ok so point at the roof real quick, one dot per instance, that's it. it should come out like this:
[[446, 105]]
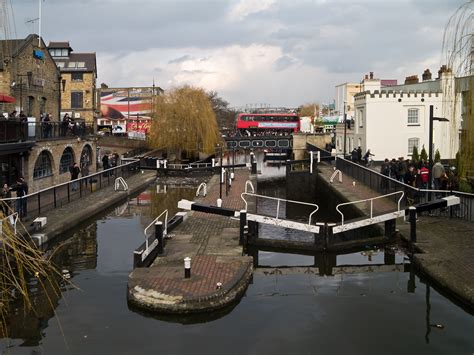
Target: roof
[[89, 60], [12, 47], [59, 45]]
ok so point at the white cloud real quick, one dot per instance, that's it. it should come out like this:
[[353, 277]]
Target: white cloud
[[248, 7]]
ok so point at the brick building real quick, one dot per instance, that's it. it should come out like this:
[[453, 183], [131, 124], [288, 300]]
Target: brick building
[[30, 75], [78, 81], [41, 152]]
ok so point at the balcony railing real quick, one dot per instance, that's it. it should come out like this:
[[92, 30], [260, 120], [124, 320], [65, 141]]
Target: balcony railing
[[14, 131]]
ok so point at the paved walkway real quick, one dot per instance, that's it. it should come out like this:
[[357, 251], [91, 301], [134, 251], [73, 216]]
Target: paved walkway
[[62, 219], [219, 273], [445, 245]]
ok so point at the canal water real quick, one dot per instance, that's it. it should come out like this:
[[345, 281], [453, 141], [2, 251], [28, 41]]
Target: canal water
[[360, 305]]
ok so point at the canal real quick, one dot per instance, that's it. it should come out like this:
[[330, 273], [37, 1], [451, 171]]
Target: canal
[[367, 302]]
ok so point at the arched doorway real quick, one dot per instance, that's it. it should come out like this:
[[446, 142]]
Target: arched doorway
[[67, 159], [86, 156]]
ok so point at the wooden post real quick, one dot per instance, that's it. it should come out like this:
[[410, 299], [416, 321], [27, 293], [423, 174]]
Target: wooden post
[[390, 228]]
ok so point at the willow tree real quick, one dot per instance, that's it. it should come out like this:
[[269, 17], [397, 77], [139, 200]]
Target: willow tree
[[458, 48], [185, 121]]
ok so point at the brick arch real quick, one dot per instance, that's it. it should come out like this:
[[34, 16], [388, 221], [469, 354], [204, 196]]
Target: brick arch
[[39, 172], [67, 158], [88, 152]]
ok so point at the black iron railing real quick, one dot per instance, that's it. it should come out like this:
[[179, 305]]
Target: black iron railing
[[385, 184], [37, 203], [14, 131]]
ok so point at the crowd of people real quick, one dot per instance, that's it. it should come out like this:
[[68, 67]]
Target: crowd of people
[[417, 174], [20, 205], [259, 133]]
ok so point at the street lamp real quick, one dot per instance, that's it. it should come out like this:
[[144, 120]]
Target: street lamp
[[345, 128], [430, 143]]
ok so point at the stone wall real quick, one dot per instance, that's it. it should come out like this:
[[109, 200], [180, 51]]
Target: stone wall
[[56, 149], [299, 142]]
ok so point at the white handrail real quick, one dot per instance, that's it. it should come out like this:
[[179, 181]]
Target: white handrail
[[249, 183], [334, 174], [204, 186], [165, 231], [13, 219], [278, 203], [371, 203], [118, 181]]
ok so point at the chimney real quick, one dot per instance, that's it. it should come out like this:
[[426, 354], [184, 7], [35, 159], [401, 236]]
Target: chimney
[[371, 75], [426, 75], [413, 79], [366, 77], [443, 69]]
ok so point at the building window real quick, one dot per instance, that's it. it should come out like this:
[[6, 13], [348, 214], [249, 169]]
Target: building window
[[30, 103], [64, 52], [413, 142], [77, 76], [361, 118], [67, 159], [77, 99], [43, 166], [43, 105], [413, 116]]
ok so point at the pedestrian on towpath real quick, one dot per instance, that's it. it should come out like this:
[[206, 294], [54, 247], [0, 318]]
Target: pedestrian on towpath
[[75, 171]]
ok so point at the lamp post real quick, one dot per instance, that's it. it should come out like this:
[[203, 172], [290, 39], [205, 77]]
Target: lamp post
[[430, 143], [345, 128]]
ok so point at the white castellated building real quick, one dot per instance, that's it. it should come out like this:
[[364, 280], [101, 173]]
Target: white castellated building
[[391, 120]]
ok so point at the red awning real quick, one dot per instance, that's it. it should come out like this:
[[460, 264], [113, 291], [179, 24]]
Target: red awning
[[7, 99]]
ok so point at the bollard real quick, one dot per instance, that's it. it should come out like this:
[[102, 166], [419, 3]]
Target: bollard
[[187, 267], [311, 162], [165, 162], [232, 175], [219, 202], [213, 162], [159, 236], [243, 223], [412, 211]]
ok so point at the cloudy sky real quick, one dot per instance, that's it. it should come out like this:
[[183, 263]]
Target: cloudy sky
[[277, 52]]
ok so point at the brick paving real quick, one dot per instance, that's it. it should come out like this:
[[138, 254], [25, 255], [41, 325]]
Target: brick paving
[[445, 245], [212, 243]]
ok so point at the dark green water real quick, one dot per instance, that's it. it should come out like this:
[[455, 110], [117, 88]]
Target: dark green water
[[350, 312]]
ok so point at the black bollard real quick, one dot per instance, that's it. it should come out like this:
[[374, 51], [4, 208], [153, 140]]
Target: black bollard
[[187, 267], [159, 236], [412, 211], [243, 223]]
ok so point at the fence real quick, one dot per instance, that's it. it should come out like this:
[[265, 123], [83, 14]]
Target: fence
[[33, 205], [384, 184], [15, 131]]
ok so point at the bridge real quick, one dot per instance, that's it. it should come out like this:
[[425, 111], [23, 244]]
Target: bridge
[[260, 142]]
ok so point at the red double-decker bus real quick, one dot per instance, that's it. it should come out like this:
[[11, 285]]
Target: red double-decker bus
[[280, 122]]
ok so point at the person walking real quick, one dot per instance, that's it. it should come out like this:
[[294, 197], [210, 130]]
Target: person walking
[[75, 171], [367, 156], [438, 172]]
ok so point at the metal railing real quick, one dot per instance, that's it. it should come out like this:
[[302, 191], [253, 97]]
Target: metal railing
[[120, 182], [248, 183], [371, 200], [165, 230], [384, 184], [278, 203], [14, 131], [34, 204], [203, 186], [12, 219]]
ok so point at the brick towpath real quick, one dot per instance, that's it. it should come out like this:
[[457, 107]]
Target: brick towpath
[[445, 245], [212, 243]]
